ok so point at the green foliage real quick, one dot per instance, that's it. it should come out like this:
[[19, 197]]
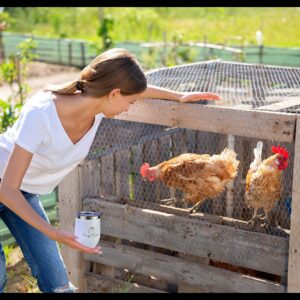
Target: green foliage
[[280, 25], [14, 71], [5, 17], [105, 30], [125, 287], [7, 249], [9, 114]]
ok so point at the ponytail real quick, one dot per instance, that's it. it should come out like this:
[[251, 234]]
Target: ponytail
[[66, 88], [115, 68]]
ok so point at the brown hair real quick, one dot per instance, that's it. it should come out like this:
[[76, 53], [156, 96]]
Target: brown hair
[[114, 68]]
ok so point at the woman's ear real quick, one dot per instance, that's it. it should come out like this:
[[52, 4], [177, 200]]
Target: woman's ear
[[113, 93]]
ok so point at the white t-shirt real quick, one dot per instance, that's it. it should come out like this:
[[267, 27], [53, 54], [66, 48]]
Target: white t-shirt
[[39, 131]]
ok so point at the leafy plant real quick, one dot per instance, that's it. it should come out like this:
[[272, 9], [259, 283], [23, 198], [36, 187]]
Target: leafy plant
[[8, 249], [104, 31], [124, 288], [14, 72]]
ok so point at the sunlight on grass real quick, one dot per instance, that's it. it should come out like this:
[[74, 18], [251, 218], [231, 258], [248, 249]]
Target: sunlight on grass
[[280, 25]]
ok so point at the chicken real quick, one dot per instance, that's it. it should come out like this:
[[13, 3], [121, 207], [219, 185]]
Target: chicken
[[199, 176], [264, 180]]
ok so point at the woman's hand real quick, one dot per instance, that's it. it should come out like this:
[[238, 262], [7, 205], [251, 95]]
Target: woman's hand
[[70, 240], [198, 96]]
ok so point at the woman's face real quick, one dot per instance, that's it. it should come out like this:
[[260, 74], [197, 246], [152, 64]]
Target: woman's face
[[119, 103]]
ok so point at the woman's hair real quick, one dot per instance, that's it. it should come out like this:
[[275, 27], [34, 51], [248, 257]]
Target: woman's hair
[[114, 68]]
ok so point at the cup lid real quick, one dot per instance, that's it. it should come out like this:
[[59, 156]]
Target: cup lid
[[88, 215]]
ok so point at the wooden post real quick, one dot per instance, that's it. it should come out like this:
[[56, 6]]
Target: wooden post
[[165, 51], [2, 54], [204, 47], [82, 54], [294, 248], [260, 54], [229, 187], [70, 52], [59, 51], [69, 202], [2, 57]]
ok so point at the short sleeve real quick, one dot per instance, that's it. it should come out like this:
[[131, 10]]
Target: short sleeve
[[29, 129]]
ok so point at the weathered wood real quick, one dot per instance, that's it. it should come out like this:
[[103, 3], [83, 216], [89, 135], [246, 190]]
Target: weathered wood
[[101, 284], [107, 175], [240, 209], [294, 249], [186, 288], [91, 178], [138, 160], [70, 201], [238, 247], [164, 150], [181, 271], [122, 176], [179, 146], [285, 103], [151, 281], [270, 125], [150, 150]]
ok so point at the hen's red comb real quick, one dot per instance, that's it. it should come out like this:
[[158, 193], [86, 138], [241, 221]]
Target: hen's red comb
[[280, 150], [144, 169]]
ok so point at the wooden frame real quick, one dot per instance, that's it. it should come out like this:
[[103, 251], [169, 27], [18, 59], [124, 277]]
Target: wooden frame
[[260, 124]]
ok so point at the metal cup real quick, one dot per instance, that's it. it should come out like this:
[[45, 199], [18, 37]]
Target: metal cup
[[88, 228]]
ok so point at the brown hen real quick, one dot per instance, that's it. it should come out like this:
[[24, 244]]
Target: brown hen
[[264, 180], [199, 176]]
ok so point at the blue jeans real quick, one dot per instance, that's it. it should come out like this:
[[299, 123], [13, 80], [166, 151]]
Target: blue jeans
[[41, 253]]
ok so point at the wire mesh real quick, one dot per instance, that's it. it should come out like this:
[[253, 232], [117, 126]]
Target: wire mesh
[[250, 86], [120, 148]]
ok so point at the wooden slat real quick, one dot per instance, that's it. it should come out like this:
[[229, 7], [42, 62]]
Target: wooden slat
[[164, 153], [122, 165], [285, 102], [107, 175], [91, 178], [70, 195], [138, 160], [179, 146], [178, 270], [150, 150], [252, 250], [102, 284], [294, 250], [270, 125], [240, 209]]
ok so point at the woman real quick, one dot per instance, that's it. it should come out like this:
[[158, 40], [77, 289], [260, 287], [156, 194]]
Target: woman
[[53, 134]]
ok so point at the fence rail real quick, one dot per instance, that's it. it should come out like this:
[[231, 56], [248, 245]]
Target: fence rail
[[76, 52]]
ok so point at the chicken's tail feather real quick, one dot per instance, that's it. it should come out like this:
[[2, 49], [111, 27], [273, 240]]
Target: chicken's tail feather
[[257, 156], [229, 156]]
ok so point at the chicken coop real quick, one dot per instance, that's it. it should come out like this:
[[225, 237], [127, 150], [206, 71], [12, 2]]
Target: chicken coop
[[150, 239]]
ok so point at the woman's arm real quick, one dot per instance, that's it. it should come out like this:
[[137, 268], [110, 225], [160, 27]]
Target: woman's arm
[[11, 197], [163, 93]]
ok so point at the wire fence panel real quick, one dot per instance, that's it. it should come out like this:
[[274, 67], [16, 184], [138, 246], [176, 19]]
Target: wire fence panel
[[121, 147], [78, 53], [197, 195]]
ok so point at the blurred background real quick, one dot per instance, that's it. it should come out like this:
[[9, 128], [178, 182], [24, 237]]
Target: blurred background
[[40, 45], [160, 36]]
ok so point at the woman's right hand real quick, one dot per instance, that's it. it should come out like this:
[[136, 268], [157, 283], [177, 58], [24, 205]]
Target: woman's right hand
[[70, 240]]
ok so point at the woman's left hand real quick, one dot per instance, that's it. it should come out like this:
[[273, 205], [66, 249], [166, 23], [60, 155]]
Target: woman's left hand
[[197, 96]]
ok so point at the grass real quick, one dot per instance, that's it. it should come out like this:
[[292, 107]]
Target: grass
[[232, 25], [18, 272]]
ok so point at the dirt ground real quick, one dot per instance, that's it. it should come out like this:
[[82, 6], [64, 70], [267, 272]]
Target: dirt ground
[[19, 276], [39, 74]]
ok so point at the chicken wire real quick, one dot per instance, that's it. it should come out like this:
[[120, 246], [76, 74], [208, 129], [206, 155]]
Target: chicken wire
[[112, 167]]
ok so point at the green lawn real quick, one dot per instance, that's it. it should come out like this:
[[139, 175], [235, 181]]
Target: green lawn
[[280, 25]]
